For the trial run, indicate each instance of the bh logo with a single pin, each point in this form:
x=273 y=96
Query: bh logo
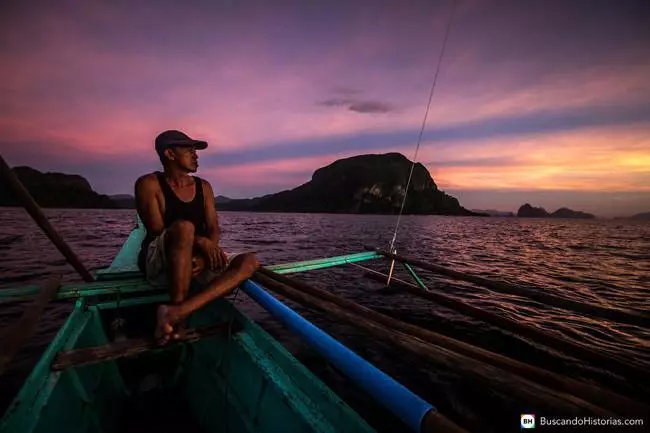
x=528 y=421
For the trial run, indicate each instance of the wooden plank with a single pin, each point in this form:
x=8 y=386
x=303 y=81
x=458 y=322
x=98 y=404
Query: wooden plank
x=133 y=347
x=15 y=336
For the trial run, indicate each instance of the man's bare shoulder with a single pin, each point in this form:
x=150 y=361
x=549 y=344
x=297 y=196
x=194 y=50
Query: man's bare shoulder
x=147 y=179
x=147 y=183
x=205 y=184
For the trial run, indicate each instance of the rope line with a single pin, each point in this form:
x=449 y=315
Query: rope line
x=424 y=122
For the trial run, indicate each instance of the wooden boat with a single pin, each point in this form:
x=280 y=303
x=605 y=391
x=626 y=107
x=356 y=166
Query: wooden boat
x=224 y=374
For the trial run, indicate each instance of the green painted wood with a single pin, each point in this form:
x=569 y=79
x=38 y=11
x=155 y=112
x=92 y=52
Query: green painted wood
x=76 y=400
x=22 y=415
x=126 y=260
x=415 y=276
x=328 y=262
x=117 y=281
x=125 y=303
x=110 y=372
x=76 y=290
x=267 y=383
x=268 y=389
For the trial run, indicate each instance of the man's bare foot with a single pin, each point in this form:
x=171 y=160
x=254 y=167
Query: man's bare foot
x=246 y=265
x=167 y=317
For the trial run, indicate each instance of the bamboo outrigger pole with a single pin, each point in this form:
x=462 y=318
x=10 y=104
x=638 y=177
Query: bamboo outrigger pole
x=488 y=375
x=419 y=415
x=32 y=208
x=599 y=396
x=628 y=367
x=621 y=316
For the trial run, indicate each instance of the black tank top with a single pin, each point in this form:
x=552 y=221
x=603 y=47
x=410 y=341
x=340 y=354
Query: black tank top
x=177 y=209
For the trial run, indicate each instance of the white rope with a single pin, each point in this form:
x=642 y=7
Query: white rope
x=424 y=122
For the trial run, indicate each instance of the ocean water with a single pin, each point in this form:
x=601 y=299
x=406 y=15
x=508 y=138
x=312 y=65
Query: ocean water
x=605 y=262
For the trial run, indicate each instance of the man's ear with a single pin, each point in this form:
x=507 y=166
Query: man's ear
x=169 y=153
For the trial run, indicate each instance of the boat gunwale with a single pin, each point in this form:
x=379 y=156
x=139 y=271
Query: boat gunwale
x=34 y=392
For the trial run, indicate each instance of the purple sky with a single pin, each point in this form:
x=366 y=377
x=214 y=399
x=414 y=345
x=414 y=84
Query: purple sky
x=537 y=101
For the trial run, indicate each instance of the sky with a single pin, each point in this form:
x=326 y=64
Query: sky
x=538 y=101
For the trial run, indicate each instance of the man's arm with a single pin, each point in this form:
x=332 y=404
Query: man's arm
x=147 y=205
x=210 y=245
x=211 y=218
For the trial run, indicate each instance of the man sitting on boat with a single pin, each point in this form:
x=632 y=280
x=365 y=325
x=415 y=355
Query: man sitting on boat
x=182 y=241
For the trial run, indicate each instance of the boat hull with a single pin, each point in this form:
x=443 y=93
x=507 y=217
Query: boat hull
x=237 y=381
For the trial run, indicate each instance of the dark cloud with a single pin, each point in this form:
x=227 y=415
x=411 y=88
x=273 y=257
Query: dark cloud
x=358 y=105
x=369 y=107
x=335 y=102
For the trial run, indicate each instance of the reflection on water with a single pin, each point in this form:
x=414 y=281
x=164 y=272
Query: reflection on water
x=601 y=262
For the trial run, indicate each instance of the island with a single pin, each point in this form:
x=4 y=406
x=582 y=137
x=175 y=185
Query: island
x=528 y=211
x=123 y=201
x=643 y=216
x=494 y=212
x=363 y=184
x=55 y=190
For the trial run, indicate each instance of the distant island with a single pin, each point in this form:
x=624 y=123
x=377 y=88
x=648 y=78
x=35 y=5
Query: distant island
x=643 y=216
x=528 y=211
x=56 y=190
x=364 y=184
x=123 y=201
x=494 y=213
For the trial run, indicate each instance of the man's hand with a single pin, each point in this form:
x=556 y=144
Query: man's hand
x=214 y=255
x=198 y=265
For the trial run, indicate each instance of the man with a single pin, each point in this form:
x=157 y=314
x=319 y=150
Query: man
x=182 y=240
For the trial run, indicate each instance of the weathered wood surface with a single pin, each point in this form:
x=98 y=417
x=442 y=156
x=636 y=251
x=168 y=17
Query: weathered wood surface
x=14 y=337
x=133 y=347
x=630 y=368
x=535 y=293
x=511 y=376
x=32 y=208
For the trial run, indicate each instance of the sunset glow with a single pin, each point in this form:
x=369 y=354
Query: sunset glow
x=532 y=96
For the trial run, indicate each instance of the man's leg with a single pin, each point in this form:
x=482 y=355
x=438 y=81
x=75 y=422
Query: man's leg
x=179 y=242
x=239 y=269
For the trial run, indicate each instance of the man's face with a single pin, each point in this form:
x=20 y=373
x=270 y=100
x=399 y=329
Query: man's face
x=185 y=158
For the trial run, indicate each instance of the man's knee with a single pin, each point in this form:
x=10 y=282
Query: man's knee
x=181 y=232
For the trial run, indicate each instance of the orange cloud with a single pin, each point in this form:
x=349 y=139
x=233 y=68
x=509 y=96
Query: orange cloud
x=594 y=160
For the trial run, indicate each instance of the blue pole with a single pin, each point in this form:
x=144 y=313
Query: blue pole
x=403 y=403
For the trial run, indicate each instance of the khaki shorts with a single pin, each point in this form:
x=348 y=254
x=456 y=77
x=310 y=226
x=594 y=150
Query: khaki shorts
x=157 y=265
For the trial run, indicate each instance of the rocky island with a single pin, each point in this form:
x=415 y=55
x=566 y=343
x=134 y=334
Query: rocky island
x=364 y=184
x=56 y=190
x=643 y=216
x=528 y=211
